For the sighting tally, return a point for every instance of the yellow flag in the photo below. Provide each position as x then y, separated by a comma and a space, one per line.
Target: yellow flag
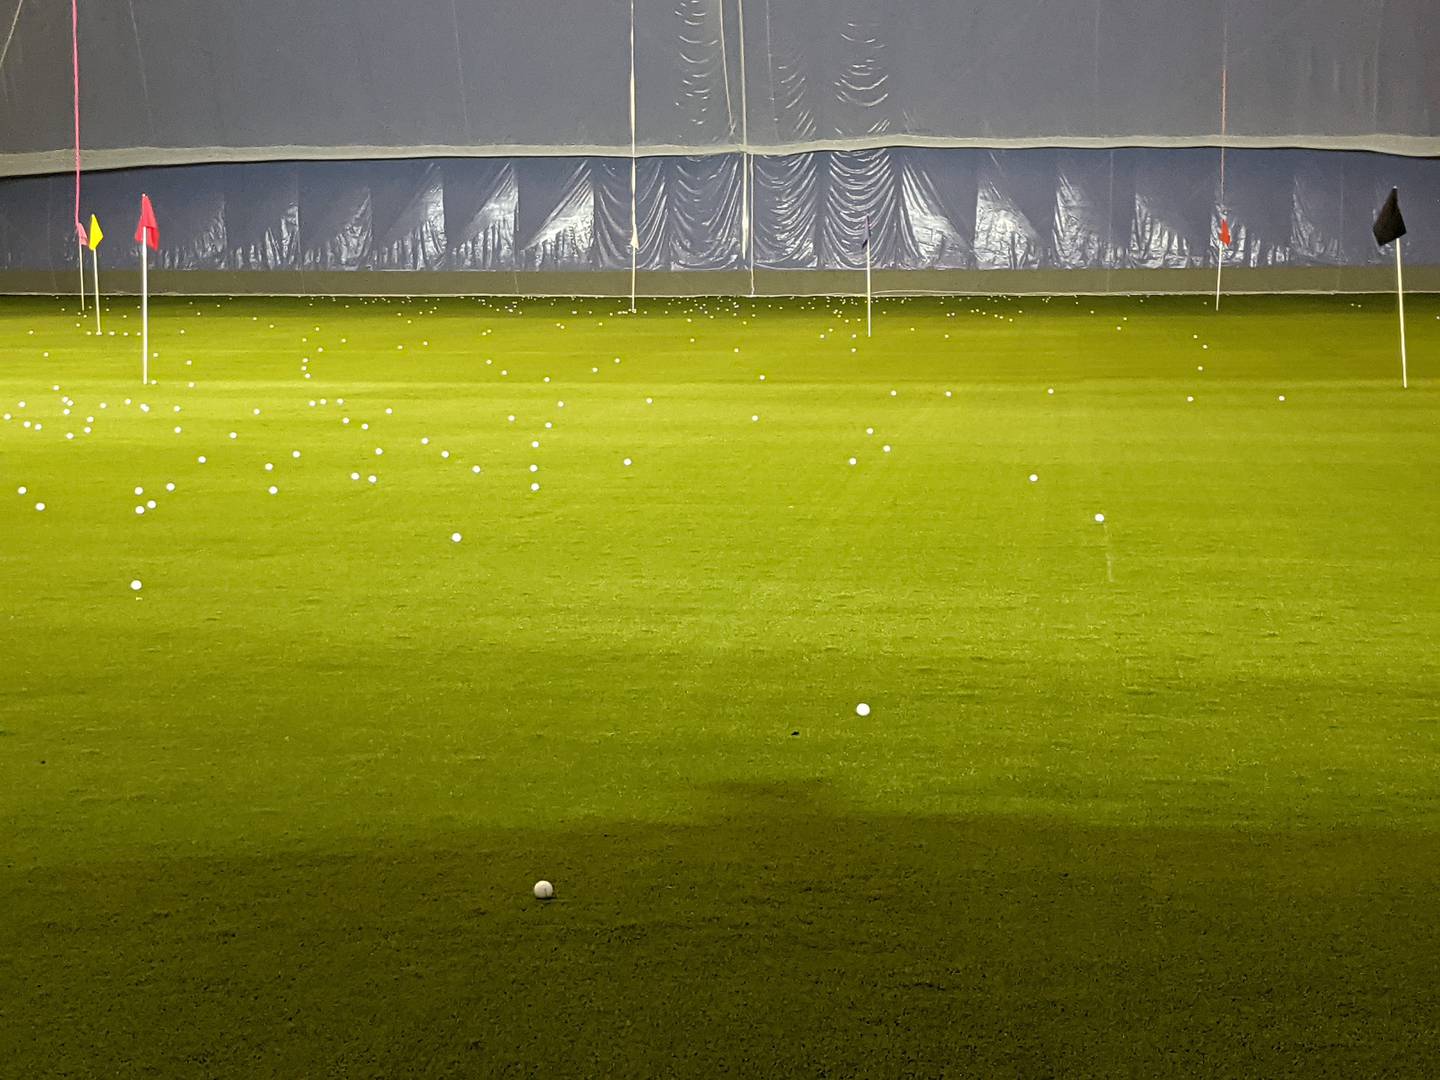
95, 234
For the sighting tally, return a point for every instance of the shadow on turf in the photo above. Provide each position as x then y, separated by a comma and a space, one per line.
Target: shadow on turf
783, 935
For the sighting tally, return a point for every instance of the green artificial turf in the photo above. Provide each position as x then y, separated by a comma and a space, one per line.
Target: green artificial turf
1158, 796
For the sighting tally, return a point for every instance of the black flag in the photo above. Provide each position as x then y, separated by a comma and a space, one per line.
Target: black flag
1389, 225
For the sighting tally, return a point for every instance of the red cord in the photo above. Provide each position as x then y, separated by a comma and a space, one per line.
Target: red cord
75, 68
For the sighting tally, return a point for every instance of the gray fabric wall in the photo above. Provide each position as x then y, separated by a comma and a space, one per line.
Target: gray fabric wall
926, 209
176, 81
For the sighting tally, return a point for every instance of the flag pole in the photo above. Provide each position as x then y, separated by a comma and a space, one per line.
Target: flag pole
1219, 269
147, 235
144, 315
1224, 124
1400, 297
747, 241
80, 252
95, 262
867, 277
634, 221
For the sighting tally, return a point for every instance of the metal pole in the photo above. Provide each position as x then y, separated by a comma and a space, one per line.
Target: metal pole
1400, 296
634, 222
144, 314
95, 262
747, 225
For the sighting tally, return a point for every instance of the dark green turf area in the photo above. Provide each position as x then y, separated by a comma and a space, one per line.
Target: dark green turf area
1158, 797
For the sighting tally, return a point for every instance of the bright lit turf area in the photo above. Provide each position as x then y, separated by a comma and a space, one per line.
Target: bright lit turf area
1158, 796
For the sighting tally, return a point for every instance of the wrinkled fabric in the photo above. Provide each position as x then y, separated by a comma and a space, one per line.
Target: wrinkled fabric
922, 209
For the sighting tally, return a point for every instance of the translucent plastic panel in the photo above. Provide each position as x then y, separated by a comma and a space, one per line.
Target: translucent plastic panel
172, 81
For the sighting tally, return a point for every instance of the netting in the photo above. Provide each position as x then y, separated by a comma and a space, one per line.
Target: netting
169, 81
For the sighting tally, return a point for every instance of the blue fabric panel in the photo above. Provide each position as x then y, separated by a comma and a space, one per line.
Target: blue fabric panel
920, 209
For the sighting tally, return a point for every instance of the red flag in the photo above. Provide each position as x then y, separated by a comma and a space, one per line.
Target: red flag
84, 236
1224, 232
148, 230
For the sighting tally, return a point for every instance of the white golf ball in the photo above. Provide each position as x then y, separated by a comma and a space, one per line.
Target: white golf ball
1100, 519
1034, 478
544, 890
862, 709
135, 585
455, 538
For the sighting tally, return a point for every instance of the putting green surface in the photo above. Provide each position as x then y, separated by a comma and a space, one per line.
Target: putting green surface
1153, 796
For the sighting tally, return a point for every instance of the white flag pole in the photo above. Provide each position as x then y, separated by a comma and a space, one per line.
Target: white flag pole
747, 242
1400, 297
1224, 122
1219, 262
95, 262
867, 277
80, 251
634, 222
144, 313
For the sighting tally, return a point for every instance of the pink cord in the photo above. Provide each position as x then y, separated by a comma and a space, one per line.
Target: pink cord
75, 68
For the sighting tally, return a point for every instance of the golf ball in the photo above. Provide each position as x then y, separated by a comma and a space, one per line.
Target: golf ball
544, 890
862, 709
